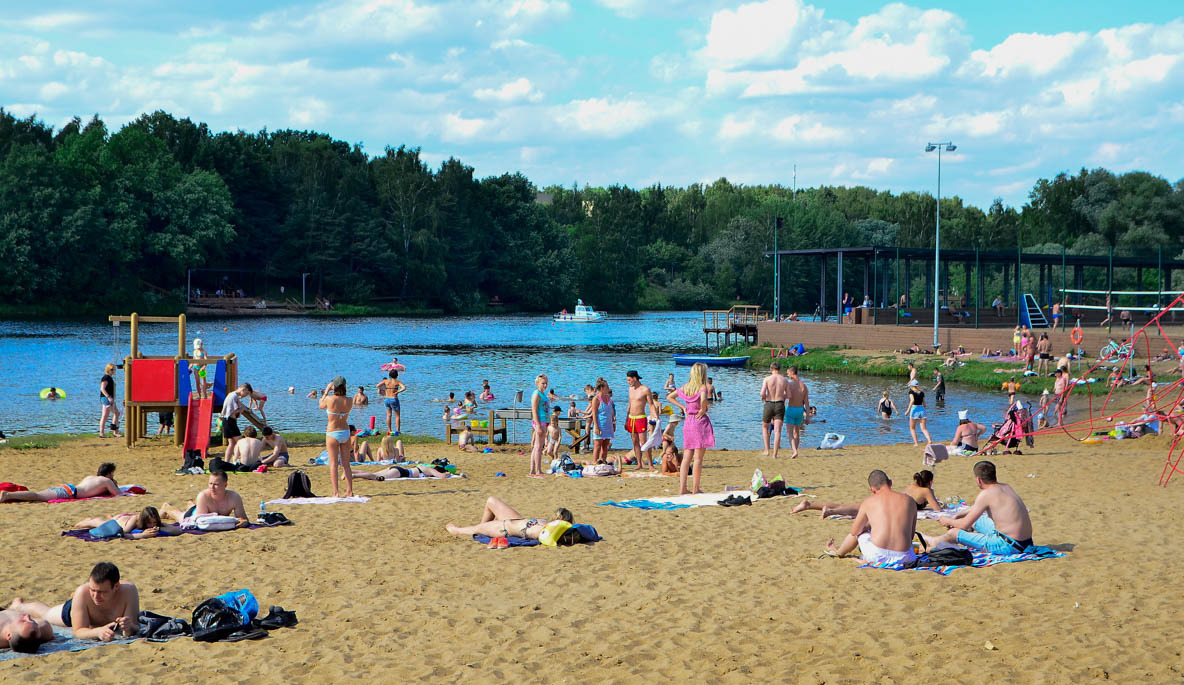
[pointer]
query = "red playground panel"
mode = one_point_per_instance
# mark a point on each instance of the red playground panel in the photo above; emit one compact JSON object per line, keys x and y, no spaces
{"x":154,"y":380}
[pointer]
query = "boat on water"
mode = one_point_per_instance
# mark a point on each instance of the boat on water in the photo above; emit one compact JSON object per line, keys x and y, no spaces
{"x":583,"y":314}
{"x":710,"y":360}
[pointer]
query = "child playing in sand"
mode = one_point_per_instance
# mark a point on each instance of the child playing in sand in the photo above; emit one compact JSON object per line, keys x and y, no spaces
{"x":671,"y":460}
{"x":465,"y":442}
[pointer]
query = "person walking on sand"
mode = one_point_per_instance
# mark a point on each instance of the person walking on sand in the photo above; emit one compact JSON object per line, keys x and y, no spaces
{"x":697,"y":433}
{"x":637,"y":423}
{"x":916,"y":413}
{"x":540,"y":417}
{"x":389,"y":390}
{"x":797,"y":398}
{"x":110,"y":409}
{"x":884,"y":525}
{"x":337,"y":407}
{"x":774,"y":390}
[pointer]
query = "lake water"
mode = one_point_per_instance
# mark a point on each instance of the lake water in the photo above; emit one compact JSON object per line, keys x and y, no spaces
{"x":442,"y":355}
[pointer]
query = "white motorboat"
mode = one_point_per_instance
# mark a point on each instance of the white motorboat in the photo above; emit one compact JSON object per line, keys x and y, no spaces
{"x":583,"y":314}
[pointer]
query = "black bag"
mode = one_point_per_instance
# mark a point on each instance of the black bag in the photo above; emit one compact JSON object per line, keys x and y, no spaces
{"x":566,"y":464}
{"x":156,"y":627}
{"x":950,"y":556}
{"x":192,"y":459}
{"x":298,"y":485}
{"x":214,"y":619}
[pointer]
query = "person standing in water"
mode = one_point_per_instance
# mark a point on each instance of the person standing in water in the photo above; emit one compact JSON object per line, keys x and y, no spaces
{"x":337,"y":407}
{"x":540,"y":418}
{"x":697,"y":432}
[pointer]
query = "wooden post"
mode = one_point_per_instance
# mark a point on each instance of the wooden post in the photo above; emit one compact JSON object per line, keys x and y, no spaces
{"x":128,"y":435}
{"x":181,"y":336}
{"x":135,"y":339}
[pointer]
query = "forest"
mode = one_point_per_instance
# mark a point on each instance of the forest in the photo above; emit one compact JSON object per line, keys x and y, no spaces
{"x":93,"y":219}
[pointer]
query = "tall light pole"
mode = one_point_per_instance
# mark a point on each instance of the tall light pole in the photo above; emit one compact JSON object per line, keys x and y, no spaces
{"x":303,"y":303}
{"x":930,"y":147}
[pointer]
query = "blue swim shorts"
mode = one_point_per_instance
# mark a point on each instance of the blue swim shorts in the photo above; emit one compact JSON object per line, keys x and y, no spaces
{"x":392,"y":403}
{"x":794,"y":415}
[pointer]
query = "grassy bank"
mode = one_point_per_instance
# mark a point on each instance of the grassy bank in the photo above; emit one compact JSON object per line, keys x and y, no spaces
{"x":40,"y":441}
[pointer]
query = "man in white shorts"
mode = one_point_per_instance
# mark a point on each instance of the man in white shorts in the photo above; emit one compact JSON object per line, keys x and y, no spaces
{"x":884,"y":527}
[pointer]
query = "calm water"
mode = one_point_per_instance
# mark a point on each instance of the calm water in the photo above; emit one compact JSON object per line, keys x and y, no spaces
{"x":442,"y":355}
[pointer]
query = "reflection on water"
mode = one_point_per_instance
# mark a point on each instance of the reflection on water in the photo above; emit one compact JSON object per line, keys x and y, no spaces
{"x":442,"y":355}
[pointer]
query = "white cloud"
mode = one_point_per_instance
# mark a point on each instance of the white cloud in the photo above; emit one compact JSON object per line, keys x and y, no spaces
{"x":806,"y":130}
{"x":605,"y":117}
{"x":518,"y":89}
{"x":457,"y":128}
{"x":1030,"y":54}
{"x":733,"y":127}
{"x":308,"y":111}
{"x":757,"y":33}
{"x":53,"y":90}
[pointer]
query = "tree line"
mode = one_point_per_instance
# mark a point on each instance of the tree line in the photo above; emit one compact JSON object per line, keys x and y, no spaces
{"x":102,"y":219}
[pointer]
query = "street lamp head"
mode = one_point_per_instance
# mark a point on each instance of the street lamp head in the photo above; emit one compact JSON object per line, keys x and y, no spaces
{"x":951,"y":147}
{"x":930,"y":147}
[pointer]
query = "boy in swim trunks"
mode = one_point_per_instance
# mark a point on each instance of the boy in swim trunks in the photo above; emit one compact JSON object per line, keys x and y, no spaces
{"x":278,"y":445}
{"x":637,"y":424}
{"x":92,"y":486}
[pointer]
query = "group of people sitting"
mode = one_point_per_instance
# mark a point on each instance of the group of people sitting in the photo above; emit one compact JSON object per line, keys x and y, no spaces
{"x":886,"y":522}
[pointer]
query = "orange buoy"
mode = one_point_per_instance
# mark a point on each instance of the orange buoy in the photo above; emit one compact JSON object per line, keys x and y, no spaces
{"x":1077,"y":336}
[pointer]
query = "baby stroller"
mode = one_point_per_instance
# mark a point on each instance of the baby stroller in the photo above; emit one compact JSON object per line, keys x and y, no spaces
{"x":1016,"y":426}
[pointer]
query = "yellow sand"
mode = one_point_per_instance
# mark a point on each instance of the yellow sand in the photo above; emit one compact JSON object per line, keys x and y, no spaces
{"x":729,"y":595}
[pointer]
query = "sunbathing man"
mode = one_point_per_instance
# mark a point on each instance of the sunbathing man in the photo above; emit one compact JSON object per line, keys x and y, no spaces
{"x":998,"y":518}
{"x":215,"y":499}
{"x":394,"y":472}
{"x":884,"y":525}
{"x":103,"y":608}
{"x":278,"y":445}
{"x":21,"y":631}
{"x":91,"y":486}
{"x":499,"y":519}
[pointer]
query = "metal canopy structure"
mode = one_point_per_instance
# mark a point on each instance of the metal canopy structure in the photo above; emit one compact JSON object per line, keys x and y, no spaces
{"x":883,"y":272}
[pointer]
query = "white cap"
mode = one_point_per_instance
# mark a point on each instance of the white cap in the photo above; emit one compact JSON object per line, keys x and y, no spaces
{"x":1045,"y":392}
{"x":912,"y":383}
{"x":964,"y":415}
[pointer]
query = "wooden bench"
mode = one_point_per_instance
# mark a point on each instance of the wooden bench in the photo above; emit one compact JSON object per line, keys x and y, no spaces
{"x":495,"y":428}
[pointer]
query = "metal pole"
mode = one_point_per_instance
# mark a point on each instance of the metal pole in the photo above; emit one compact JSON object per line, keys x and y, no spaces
{"x":978,"y":293}
{"x":1110,"y":291}
{"x":188,"y":284}
{"x":776,"y":271}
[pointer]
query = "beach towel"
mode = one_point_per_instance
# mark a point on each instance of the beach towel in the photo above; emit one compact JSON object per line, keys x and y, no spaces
{"x":981,"y":560}
{"x":514,"y":542}
{"x":85,"y":535}
{"x":677,"y":501}
{"x":127,"y":490}
{"x":63,"y":641}
{"x":356,"y":499}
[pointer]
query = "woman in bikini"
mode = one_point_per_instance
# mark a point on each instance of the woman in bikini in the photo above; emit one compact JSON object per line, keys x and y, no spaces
{"x":395,"y":472}
{"x":147,"y":522}
{"x":921,"y":490}
{"x":499,"y":519}
{"x":337,"y":407}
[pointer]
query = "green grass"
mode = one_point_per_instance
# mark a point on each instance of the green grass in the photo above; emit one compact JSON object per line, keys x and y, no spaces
{"x":43,"y":441}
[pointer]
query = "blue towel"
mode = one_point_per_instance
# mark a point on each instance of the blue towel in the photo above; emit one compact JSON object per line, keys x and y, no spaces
{"x":981,"y":560}
{"x":63,"y":641}
{"x":514,"y":542}
{"x":643,"y":504}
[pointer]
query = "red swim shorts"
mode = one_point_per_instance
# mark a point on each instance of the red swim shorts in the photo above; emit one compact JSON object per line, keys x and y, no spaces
{"x":636,"y":424}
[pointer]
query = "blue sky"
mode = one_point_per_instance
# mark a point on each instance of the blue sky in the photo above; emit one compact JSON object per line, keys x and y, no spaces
{"x":642,"y":91}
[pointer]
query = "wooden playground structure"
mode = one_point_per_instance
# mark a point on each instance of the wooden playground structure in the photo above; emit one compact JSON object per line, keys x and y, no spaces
{"x":155,"y":383}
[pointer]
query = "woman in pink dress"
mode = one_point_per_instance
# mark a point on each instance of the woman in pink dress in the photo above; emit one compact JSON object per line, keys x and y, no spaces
{"x":697,"y":434}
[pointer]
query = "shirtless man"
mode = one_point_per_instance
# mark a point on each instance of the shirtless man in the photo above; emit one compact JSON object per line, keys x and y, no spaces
{"x":641,"y":403}
{"x":884,"y":526}
{"x":91,"y":486}
{"x":967,"y":434}
{"x":248,"y":448}
{"x":360,"y":399}
{"x":998,"y":518}
{"x":1044,"y":352}
{"x":1060,"y":388}
{"x":21,"y":631}
{"x":278,"y":445}
{"x":389,"y":390}
{"x":797,"y":398}
{"x":215,"y":499}
{"x":774,"y":390}
{"x":103,"y":608}
{"x":1056,"y":315}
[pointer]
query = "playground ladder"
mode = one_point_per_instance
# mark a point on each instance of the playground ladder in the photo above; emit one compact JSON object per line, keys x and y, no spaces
{"x":1033,"y":313}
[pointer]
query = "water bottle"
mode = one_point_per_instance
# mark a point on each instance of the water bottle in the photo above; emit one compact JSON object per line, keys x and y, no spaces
{"x":262,"y":508}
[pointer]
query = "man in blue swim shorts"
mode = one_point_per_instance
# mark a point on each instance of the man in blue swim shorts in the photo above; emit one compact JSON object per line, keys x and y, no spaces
{"x":998,"y":518}
{"x":797,"y":398}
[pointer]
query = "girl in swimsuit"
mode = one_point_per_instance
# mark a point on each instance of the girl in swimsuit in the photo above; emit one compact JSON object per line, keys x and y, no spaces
{"x":921,"y":490}
{"x":886,"y":407}
{"x":499,"y":519}
{"x":540,"y":417}
{"x":337,"y":407}
{"x":147,"y":522}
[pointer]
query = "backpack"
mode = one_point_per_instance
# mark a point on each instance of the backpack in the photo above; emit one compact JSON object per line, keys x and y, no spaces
{"x":567,"y":464}
{"x":214,"y":619}
{"x":950,"y":556}
{"x":298,"y":486}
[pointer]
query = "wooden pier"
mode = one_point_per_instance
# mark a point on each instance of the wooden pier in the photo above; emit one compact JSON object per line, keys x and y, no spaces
{"x":739,"y":321}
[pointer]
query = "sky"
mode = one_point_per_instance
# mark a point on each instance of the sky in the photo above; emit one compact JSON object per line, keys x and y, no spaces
{"x":639,"y":92}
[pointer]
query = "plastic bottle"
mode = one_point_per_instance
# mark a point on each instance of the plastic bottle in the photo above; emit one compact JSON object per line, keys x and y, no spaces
{"x":262,"y":508}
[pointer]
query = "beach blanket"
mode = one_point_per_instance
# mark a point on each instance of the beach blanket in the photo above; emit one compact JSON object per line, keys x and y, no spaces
{"x":356,"y":499}
{"x":981,"y":560}
{"x":647,"y":474}
{"x":514,"y":542}
{"x":127,"y":490}
{"x":85,"y":535}
{"x":922,"y":514}
{"x":63,"y":641}
{"x":705,"y":499}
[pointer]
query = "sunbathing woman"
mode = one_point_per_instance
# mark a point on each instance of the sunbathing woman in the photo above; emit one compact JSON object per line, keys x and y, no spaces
{"x":921,"y":490}
{"x":827,"y":508}
{"x":499,"y":519}
{"x":394,"y":472}
{"x":147,"y":521}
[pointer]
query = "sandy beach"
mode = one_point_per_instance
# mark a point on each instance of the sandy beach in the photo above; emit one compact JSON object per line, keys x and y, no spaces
{"x":712,"y":594}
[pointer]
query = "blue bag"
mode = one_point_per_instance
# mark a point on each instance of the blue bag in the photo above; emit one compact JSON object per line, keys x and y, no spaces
{"x":243,"y":602}
{"x":109,"y":529}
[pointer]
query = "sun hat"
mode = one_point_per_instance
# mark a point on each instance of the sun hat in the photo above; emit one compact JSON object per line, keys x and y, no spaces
{"x":964,"y":415}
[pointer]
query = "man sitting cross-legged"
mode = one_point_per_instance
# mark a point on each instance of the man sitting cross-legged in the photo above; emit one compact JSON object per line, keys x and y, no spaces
{"x":215,"y":499}
{"x":884,"y":525}
{"x":92,"y":486}
{"x":998,"y":518}
{"x":103,"y":608}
